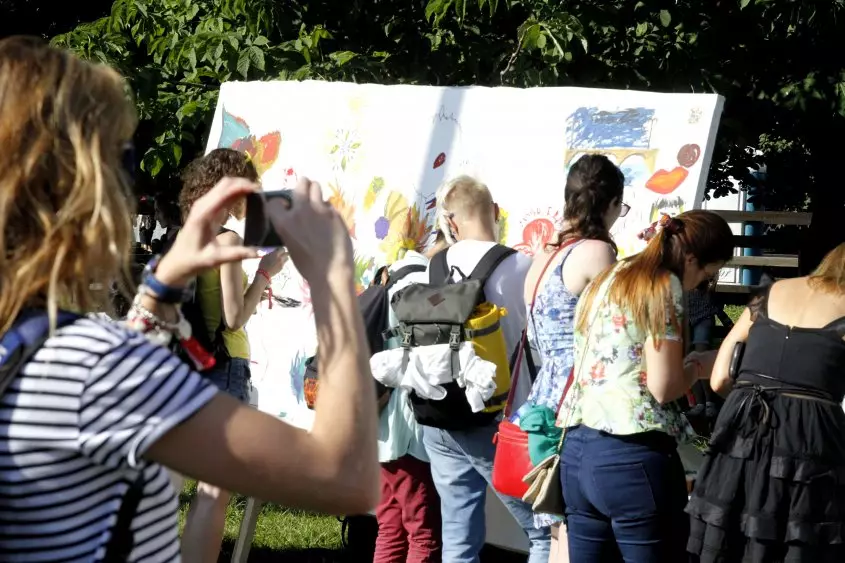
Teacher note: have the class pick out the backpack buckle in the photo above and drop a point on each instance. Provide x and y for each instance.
(455, 337)
(407, 336)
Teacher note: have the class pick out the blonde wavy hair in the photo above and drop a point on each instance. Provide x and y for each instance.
(829, 276)
(65, 202)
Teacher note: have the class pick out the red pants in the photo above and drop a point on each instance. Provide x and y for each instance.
(408, 514)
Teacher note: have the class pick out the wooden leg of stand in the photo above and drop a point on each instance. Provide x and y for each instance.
(244, 543)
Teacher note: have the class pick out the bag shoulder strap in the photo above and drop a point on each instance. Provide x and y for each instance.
(402, 272)
(121, 542)
(489, 262)
(20, 343)
(29, 333)
(438, 271)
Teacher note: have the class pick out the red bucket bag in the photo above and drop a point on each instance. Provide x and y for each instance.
(512, 462)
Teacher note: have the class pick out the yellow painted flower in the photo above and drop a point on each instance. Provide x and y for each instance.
(403, 227)
(343, 207)
(503, 226)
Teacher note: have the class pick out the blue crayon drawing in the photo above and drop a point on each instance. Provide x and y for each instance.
(592, 128)
(234, 129)
(297, 376)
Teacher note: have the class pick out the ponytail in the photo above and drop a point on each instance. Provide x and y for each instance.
(642, 284)
(593, 184)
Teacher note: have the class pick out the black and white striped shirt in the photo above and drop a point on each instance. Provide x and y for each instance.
(74, 426)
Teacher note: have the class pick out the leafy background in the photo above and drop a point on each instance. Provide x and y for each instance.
(775, 61)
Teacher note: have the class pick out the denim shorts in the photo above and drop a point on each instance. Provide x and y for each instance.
(232, 376)
(702, 331)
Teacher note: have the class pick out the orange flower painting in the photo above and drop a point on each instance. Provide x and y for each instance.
(344, 207)
(535, 236)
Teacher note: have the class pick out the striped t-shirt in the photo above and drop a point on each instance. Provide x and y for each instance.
(74, 426)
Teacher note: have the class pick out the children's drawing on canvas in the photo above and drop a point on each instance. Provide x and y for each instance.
(345, 148)
(382, 152)
(625, 137)
(236, 134)
(539, 227)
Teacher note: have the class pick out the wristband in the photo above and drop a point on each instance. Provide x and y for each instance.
(159, 291)
(262, 272)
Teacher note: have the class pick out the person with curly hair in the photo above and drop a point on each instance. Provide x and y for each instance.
(227, 302)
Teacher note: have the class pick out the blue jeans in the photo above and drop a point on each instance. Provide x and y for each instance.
(702, 331)
(462, 468)
(625, 497)
(232, 377)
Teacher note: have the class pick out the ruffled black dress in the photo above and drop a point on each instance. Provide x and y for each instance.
(772, 487)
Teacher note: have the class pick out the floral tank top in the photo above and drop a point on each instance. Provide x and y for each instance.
(609, 392)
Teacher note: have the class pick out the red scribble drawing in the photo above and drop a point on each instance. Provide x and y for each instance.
(689, 155)
(291, 178)
(305, 295)
(665, 182)
(440, 160)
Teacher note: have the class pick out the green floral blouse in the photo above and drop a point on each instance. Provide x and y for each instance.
(609, 392)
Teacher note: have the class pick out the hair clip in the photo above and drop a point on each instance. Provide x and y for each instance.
(667, 223)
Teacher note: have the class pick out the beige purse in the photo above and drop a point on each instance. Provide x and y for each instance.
(545, 493)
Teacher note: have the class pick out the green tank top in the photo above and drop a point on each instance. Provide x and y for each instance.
(210, 299)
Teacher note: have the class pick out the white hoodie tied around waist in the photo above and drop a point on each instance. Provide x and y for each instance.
(429, 367)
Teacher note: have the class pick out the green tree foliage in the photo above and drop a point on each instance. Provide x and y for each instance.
(774, 61)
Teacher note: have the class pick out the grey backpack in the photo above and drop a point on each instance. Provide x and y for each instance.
(443, 311)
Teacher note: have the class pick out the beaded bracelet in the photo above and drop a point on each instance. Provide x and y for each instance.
(156, 329)
(161, 332)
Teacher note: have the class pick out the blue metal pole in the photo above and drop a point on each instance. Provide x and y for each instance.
(751, 275)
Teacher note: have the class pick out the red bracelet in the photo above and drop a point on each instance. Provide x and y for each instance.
(262, 272)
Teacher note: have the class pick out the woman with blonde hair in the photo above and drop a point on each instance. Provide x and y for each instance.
(771, 487)
(92, 417)
(624, 486)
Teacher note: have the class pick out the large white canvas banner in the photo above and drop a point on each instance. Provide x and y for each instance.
(381, 152)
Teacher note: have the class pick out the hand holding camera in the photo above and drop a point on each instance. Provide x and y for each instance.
(299, 220)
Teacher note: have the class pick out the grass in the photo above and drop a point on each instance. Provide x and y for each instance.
(280, 533)
(734, 311)
(295, 536)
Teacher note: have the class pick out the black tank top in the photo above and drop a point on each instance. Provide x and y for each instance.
(804, 359)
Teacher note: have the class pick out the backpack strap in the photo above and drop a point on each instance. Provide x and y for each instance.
(489, 262)
(402, 272)
(121, 542)
(29, 333)
(438, 270)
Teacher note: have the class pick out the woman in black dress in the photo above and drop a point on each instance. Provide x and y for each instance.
(772, 487)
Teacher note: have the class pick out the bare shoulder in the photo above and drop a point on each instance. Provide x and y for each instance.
(230, 238)
(592, 249)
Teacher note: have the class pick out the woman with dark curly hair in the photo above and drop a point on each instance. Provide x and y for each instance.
(227, 301)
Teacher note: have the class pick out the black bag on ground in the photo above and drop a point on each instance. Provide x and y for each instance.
(444, 311)
(358, 536)
(374, 305)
